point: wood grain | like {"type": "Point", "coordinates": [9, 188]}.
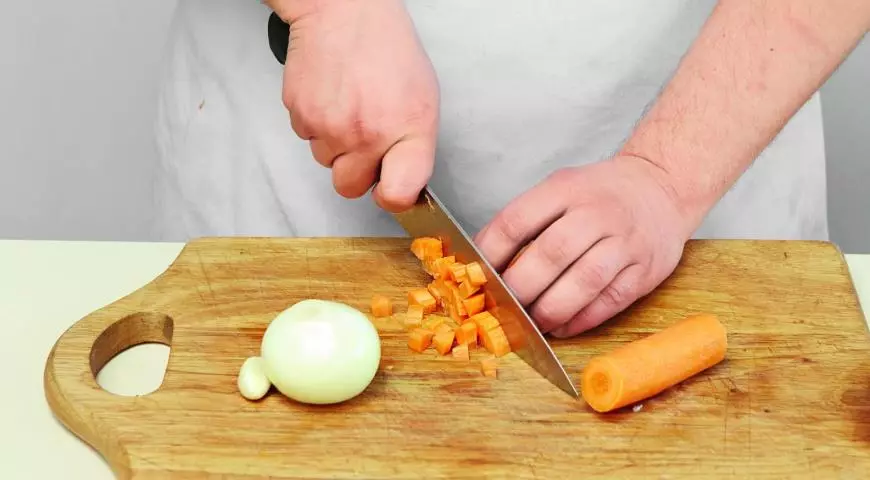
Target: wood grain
{"type": "Point", "coordinates": [792, 400]}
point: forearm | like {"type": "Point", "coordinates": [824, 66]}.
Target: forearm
{"type": "Point", "coordinates": [753, 65]}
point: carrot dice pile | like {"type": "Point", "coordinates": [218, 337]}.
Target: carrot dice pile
{"type": "Point", "coordinates": [450, 314]}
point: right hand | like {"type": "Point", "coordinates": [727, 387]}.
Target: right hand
{"type": "Point", "coordinates": [361, 89]}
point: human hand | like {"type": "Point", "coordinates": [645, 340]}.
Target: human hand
{"type": "Point", "coordinates": [361, 89]}
{"type": "Point", "coordinates": [601, 235]}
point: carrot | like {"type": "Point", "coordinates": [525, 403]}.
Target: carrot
{"type": "Point", "coordinates": [496, 342]}
{"type": "Point", "coordinates": [474, 305]}
{"type": "Point", "coordinates": [414, 317]}
{"type": "Point", "coordinates": [427, 248]}
{"type": "Point", "coordinates": [475, 274]}
{"type": "Point", "coordinates": [442, 328]}
{"type": "Point", "coordinates": [441, 266]}
{"type": "Point", "coordinates": [461, 352]}
{"type": "Point", "coordinates": [484, 321]}
{"type": "Point", "coordinates": [422, 297]}
{"type": "Point", "coordinates": [431, 322]}
{"type": "Point", "coordinates": [420, 339]}
{"type": "Point", "coordinates": [457, 272]}
{"type": "Point", "coordinates": [646, 367]}
{"type": "Point", "coordinates": [411, 323]}
{"type": "Point", "coordinates": [466, 334]}
{"type": "Point", "coordinates": [467, 289]}
{"type": "Point", "coordinates": [443, 341]}
{"type": "Point", "coordinates": [489, 367]}
{"type": "Point", "coordinates": [435, 292]}
{"type": "Point", "coordinates": [454, 313]}
{"type": "Point", "coordinates": [381, 306]}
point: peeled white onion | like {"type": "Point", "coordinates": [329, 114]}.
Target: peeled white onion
{"type": "Point", "coordinates": [321, 352]}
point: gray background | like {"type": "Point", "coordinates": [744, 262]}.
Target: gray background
{"type": "Point", "coordinates": [77, 93]}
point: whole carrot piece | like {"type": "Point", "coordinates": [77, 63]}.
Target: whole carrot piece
{"type": "Point", "coordinates": [646, 367]}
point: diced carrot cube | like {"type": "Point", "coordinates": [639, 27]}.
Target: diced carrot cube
{"type": "Point", "coordinates": [457, 272]}
{"type": "Point", "coordinates": [443, 342]}
{"type": "Point", "coordinates": [441, 266]}
{"type": "Point", "coordinates": [461, 352]}
{"type": "Point", "coordinates": [452, 291]}
{"type": "Point", "coordinates": [411, 323]}
{"type": "Point", "coordinates": [489, 367]}
{"type": "Point", "coordinates": [474, 305]}
{"type": "Point", "coordinates": [431, 322]}
{"type": "Point", "coordinates": [475, 274]}
{"type": "Point", "coordinates": [496, 342]}
{"type": "Point", "coordinates": [434, 291]}
{"type": "Point", "coordinates": [466, 334]}
{"type": "Point", "coordinates": [466, 289]}
{"type": "Point", "coordinates": [485, 321]}
{"type": "Point", "coordinates": [422, 297]}
{"type": "Point", "coordinates": [415, 311]}
{"type": "Point", "coordinates": [427, 248]}
{"type": "Point", "coordinates": [381, 306]}
{"type": "Point", "coordinates": [420, 339]}
{"type": "Point", "coordinates": [429, 266]}
{"type": "Point", "coordinates": [443, 327]}
{"type": "Point", "coordinates": [453, 312]}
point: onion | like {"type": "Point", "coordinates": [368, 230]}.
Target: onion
{"type": "Point", "coordinates": [320, 352]}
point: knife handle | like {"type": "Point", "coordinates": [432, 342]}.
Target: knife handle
{"type": "Point", "coordinates": [278, 32]}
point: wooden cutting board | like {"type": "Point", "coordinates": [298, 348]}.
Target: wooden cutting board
{"type": "Point", "coordinates": [792, 400]}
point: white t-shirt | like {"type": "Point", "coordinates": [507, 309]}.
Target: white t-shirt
{"type": "Point", "coordinates": [527, 87]}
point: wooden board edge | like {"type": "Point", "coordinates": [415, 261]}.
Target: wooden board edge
{"type": "Point", "coordinates": [64, 394]}
{"type": "Point", "coordinates": [853, 289]}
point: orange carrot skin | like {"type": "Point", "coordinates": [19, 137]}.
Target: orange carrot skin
{"type": "Point", "coordinates": [646, 367]}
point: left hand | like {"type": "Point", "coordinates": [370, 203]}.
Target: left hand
{"type": "Point", "coordinates": [601, 235]}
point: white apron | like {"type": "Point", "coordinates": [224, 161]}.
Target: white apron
{"type": "Point", "coordinates": [527, 87]}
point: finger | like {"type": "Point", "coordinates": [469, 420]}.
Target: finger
{"type": "Point", "coordinates": [581, 284]}
{"type": "Point", "coordinates": [405, 170]}
{"type": "Point", "coordinates": [300, 127]}
{"type": "Point", "coordinates": [353, 174]}
{"type": "Point", "coordinates": [520, 221]}
{"type": "Point", "coordinates": [554, 251]}
{"type": "Point", "coordinates": [625, 289]}
{"type": "Point", "coordinates": [323, 152]}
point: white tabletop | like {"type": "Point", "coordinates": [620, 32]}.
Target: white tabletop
{"type": "Point", "coordinates": [45, 287]}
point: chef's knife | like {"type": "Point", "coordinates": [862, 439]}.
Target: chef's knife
{"type": "Point", "coordinates": [429, 218]}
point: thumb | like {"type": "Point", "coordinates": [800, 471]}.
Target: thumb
{"type": "Point", "coordinates": [405, 170]}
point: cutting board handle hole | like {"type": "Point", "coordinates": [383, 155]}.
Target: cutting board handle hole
{"type": "Point", "coordinates": [138, 343]}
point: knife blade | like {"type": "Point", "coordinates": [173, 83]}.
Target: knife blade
{"type": "Point", "coordinates": [430, 218]}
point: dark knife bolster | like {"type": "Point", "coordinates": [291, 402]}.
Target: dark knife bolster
{"type": "Point", "coordinates": [279, 37]}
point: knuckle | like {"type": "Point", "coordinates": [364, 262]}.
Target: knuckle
{"type": "Point", "coordinates": [513, 224]}
{"type": "Point", "coordinates": [546, 315]}
{"type": "Point", "coordinates": [363, 132]}
{"type": "Point", "coordinates": [596, 275]}
{"type": "Point", "coordinates": [556, 250]}
{"type": "Point", "coordinates": [334, 125]}
{"type": "Point", "coordinates": [615, 296]}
